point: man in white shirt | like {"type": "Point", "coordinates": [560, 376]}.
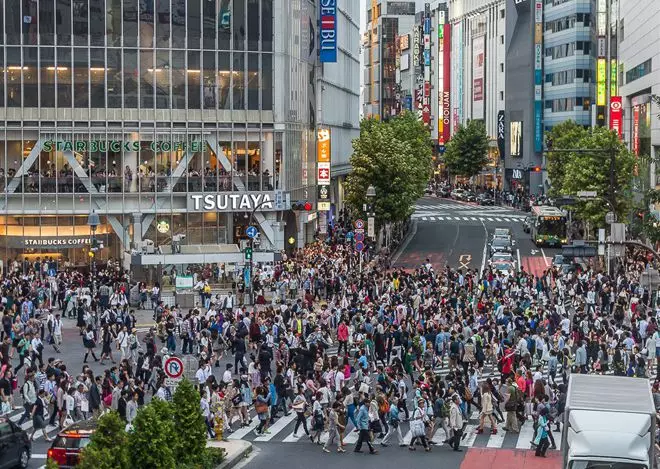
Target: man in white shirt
{"type": "Point", "coordinates": [57, 332]}
{"type": "Point", "coordinates": [226, 376]}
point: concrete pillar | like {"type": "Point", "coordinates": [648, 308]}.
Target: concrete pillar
{"type": "Point", "coordinates": [137, 230]}
{"type": "Point", "coordinates": [268, 158]}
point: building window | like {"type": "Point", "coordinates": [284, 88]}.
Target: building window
{"type": "Point", "coordinates": [502, 67]}
{"type": "Point", "coordinates": [639, 71]}
{"type": "Point", "coordinates": [502, 13]}
{"type": "Point", "coordinates": [502, 39]}
{"type": "Point", "coordinates": [501, 95]}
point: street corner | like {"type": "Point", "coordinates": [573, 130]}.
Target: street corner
{"type": "Point", "coordinates": [488, 458]}
{"type": "Point", "coordinates": [235, 451]}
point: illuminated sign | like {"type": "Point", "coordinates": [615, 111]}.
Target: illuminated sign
{"type": "Point", "coordinates": [538, 79]}
{"type": "Point", "coordinates": [117, 146]}
{"type": "Point", "coordinates": [601, 82]}
{"type": "Point", "coordinates": [323, 145]}
{"type": "Point", "coordinates": [516, 134]}
{"type": "Point", "coordinates": [635, 130]}
{"type": "Point", "coordinates": [404, 42]}
{"type": "Point", "coordinates": [616, 115]}
{"type": "Point", "coordinates": [328, 31]}
{"type": "Point", "coordinates": [613, 78]}
{"type": "Point", "coordinates": [231, 201]}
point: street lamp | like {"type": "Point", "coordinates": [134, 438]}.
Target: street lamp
{"type": "Point", "coordinates": [371, 192]}
{"type": "Point", "coordinates": [93, 220]}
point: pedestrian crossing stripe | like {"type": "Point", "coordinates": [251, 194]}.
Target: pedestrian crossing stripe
{"type": "Point", "coordinates": [511, 219]}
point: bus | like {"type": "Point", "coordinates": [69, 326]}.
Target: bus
{"type": "Point", "coordinates": [548, 226]}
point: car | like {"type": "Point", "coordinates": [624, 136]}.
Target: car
{"type": "Point", "coordinates": [469, 197]}
{"type": "Point", "coordinates": [485, 199]}
{"type": "Point", "coordinates": [15, 445]}
{"type": "Point", "coordinates": [501, 257]}
{"type": "Point", "coordinates": [500, 245]}
{"type": "Point", "coordinates": [527, 224]}
{"type": "Point", "coordinates": [559, 260]}
{"type": "Point", "coordinates": [70, 442]}
{"type": "Point", "coordinates": [458, 194]}
{"type": "Point", "coordinates": [501, 232]}
{"type": "Point", "coordinates": [506, 268]}
{"type": "Point", "coordinates": [444, 192]}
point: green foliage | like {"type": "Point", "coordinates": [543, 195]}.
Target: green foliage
{"type": "Point", "coordinates": [571, 172]}
{"type": "Point", "coordinates": [467, 151]}
{"type": "Point", "coordinates": [108, 448]}
{"type": "Point", "coordinates": [395, 157]}
{"type": "Point", "coordinates": [210, 459]}
{"type": "Point", "coordinates": [568, 134]}
{"type": "Point", "coordinates": [153, 443]}
{"type": "Point", "coordinates": [51, 464]}
{"type": "Point", "coordinates": [188, 414]}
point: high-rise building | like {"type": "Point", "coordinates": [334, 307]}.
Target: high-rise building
{"type": "Point", "coordinates": [386, 20]}
{"type": "Point", "coordinates": [178, 122]}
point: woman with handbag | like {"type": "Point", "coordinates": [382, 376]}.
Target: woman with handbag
{"type": "Point", "coordinates": [418, 421]}
{"type": "Point", "coordinates": [261, 405]}
{"type": "Point", "coordinates": [89, 341]}
{"type": "Point", "coordinates": [318, 419]}
{"type": "Point", "coordinates": [39, 415]}
{"type": "Point", "coordinates": [299, 406]}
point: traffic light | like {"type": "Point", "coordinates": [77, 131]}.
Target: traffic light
{"type": "Point", "coordinates": [302, 206]}
{"type": "Point", "coordinates": [248, 254]}
{"type": "Point", "coordinates": [536, 169]}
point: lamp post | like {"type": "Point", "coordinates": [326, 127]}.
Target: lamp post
{"type": "Point", "coordinates": [371, 222]}
{"type": "Point", "coordinates": [93, 220]}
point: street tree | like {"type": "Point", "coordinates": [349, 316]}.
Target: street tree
{"type": "Point", "coordinates": [592, 171]}
{"type": "Point", "coordinates": [154, 441]}
{"type": "Point", "coordinates": [108, 447]}
{"type": "Point", "coordinates": [466, 153]}
{"type": "Point", "coordinates": [187, 415]}
{"type": "Point", "coordinates": [394, 157]}
{"type": "Point", "coordinates": [566, 135]}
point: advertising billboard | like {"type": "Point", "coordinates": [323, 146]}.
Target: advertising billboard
{"type": "Point", "coordinates": [328, 31]}
{"type": "Point", "coordinates": [601, 82]}
{"type": "Point", "coordinates": [538, 79]}
{"type": "Point", "coordinates": [323, 161]}
{"type": "Point", "coordinates": [478, 76]}
{"type": "Point", "coordinates": [516, 134]}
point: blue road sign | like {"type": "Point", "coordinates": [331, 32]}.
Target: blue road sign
{"type": "Point", "coordinates": [359, 236]}
{"type": "Point", "coordinates": [359, 246]}
{"type": "Point", "coordinates": [251, 232]}
{"type": "Point", "coordinates": [246, 277]}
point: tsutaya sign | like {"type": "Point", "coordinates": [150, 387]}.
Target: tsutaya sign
{"type": "Point", "coordinates": [119, 145]}
{"type": "Point", "coordinates": [232, 202]}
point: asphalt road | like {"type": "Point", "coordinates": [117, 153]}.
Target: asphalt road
{"type": "Point", "coordinates": [456, 233]}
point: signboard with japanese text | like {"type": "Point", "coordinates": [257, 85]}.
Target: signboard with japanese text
{"type": "Point", "coordinates": [616, 115]}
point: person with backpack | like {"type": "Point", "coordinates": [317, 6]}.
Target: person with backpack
{"type": "Point", "coordinates": [393, 424]}
{"type": "Point", "coordinates": [511, 407]}
{"type": "Point", "coordinates": [29, 395]}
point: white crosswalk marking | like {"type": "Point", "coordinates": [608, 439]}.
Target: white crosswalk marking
{"type": "Point", "coordinates": [470, 436]}
{"type": "Point", "coordinates": [490, 219]}
{"type": "Point", "coordinates": [432, 218]}
{"type": "Point", "coordinates": [473, 219]}
{"type": "Point", "coordinates": [424, 218]}
{"type": "Point", "coordinates": [441, 218]}
{"type": "Point", "coordinates": [497, 440]}
{"type": "Point", "coordinates": [277, 427]}
{"type": "Point", "coordinates": [351, 438]}
{"type": "Point", "coordinates": [498, 219]}
{"type": "Point", "coordinates": [465, 218]}
{"type": "Point", "coordinates": [526, 436]}
{"type": "Point", "coordinates": [242, 432]}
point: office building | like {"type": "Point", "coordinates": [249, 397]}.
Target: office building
{"type": "Point", "coordinates": [178, 122]}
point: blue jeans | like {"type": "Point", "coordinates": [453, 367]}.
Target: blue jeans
{"type": "Point", "coordinates": [171, 343]}
{"type": "Point", "coordinates": [350, 411]}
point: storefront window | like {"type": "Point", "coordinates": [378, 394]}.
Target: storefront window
{"type": "Point", "coordinates": [80, 78]}
{"type": "Point", "coordinates": [209, 89]}
{"type": "Point", "coordinates": [266, 82]}
{"type": "Point", "coordinates": [253, 82]}
{"type": "Point", "coordinates": [63, 22]}
{"type": "Point", "coordinates": [238, 24]}
{"type": "Point", "coordinates": [14, 77]}
{"type": "Point", "coordinates": [113, 22]}
{"type": "Point", "coordinates": [253, 24]}
{"type": "Point", "coordinates": [114, 78]}
{"type": "Point", "coordinates": [130, 78]}
{"type": "Point", "coordinates": [97, 73]}
{"type": "Point", "coordinates": [30, 77]}
{"type": "Point", "coordinates": [178, 10]}
{"type": "Point", "coordinates": [162, 78]}
{"type": "Point", "coordinates": [47, 22]}
{"type": "Point", "coordinates": [194, 68]}
{"type": "Point", "coordinates": [146, 23]}
{"type": "Point", "coordinates": [162, 24]}
{"type": "Point", "coordinates": [238, 77]}
{"type": "Point", "coordinates": [64, 77]}
{"type": "Point", "coordinates": [224, 24]}
{"type": "Point", "coordinates": [80, 23]}
{"type": "Point", "coordinates": [30, 23]}
{"type": "Point", "coordinates": [13, 21]}
{"type": "Point", "coordinates": [224, 80]}
{"type": "Point", "coordinates": [146, 172]}
{"type": "Point", "coordinates": [130, 15]}
{"type": "Point", "coordinates": [47, 72]}
{"type": "Point", "coordinates": [97, 22]}
{"type": "Point", "coordinates": [208, 21]}
{"type": "Point", "coordinates": [179, 79]}
{"type": "Point", "coordinates": [267, 25]}
{"type": "Point", "coordinates": [147, 73]}
{"type": "Point", "coordinates": [193, 26]}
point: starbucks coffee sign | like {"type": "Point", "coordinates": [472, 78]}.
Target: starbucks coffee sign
{"type": "Point", "coordinates": [232, 202]}
{"type": "Point", "coordinates": [118, 146]}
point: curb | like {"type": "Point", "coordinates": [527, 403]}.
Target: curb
{"type": "Point", "coordinates": [236, 456]}
{"type": "Point", "coordinates": [404, 244]}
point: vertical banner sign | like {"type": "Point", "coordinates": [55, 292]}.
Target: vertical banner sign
{"type": "Point", "coordinates": [538, 77]}
{"type": "Point", "coordinates": [616, 115]}
{"type": "Point", "coordinates": [501, 133]}
{"type": "Point", "coordinates": [601, 82]}
{"type": "Point", "coordinates": [635, 130]}
{"type": "Point", "coordinates": [614, 88]}
{"type": "Point", "coordinates": [440, 57]}
{"type": "Point", "coordinates": [328, 31]}
{"type": "Point", "coordinates": [478, 64]}
{"type": "Point", "coordinates": [323, 161]}
{"type": "Point", "coordinates": [446, 91]}
{"type": "Point", "coordinates": [459, 69]}
{"type": "Point", "coordinates": [426, 64]}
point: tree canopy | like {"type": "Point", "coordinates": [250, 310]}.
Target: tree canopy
{"type": "Point", "coordinates": [395, 157]}
{"type": "Point", "coordinates": [108, 448]}
{"type": "Point", "coordinates": [467, 151]}
{"type": "Point", "coordinates": [583, 170]}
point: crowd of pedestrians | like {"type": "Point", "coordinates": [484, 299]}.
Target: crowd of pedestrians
{"type": "Point", "coordinates": [341, 347]}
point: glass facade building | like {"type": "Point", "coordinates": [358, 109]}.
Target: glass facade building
{"type": "Point", "coordinates": [134, 108]}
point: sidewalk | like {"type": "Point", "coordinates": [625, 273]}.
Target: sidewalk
{"type": "Point", "coordinates": [235, 451]}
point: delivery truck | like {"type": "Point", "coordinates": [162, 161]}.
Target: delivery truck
{"type": "Point", "coordinates": [609, 423]}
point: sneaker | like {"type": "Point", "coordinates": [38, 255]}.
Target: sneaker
{"type": "Point", "coordinates": [341, 450]}
{"type": "Point", "coordinates": [326, 450]}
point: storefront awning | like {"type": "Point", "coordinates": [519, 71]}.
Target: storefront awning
{"type": "Point", "coordinates": [205, 258]}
